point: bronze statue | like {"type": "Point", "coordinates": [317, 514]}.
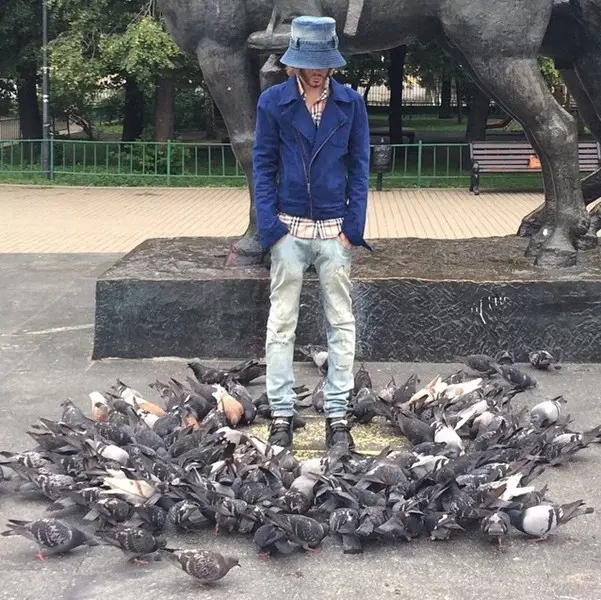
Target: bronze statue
{"type": "Point", "coordinates": [497, 41]}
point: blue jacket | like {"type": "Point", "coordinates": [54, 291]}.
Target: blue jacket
{"type": "Point", "coordinates": [304, 171]}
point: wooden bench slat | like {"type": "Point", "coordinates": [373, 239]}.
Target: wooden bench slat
{"type": "Point", "coordinates": [514, 157]}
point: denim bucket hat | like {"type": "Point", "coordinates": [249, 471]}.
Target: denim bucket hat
{"type": "Point", "coordinates": [313, 44]}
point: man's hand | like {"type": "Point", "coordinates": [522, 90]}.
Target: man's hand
{"type": "Point", "coordinates": [344, 241]}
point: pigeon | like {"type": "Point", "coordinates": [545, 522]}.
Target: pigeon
{"type": "Point", "coordinates": [519, 379]}
{"type": "Point", "coordinates": [73, 415]}
{"type": "Point", "coordinates": [229, 406]}
{"type": "Point", "coordinates": [344, 522]}
{"type": "Point", "coordinates": [403, 393]}
{"type": "Point", "coordinates": [137, 544]}
{"type": "Point", "coordinates": [364, 406]}
{"type": "Point", "coordinates": [542, 360]}
{"type": "Point", "coordinates": [109, 510]}
{"type": "Point", "coordinates": [318, 354]}
{"type": "Point", "coordinates": [414, 429]}
{"type": "Point", "coordinates": [206, 374]}
{"type": "Point", "coordinates": [497, 526]}
{"type": "Point", "coordinates": [481, 363]}
{"type": "Point", "coordinates": [440, 526]}
{"type": "Point", "coordinates": [318, 398]}
{"type": "Point", "coordinates": [52, 535]}
{"type": "Point", "coordinates": [204, 565]}
{"type": "Point", "coordinates": [548, 412]}
{"type": "Point", "coordinates": [271, 540]}
{"type": "Point", "coordinates": [299, 497]}
{"type": "Point", "coordinates": [504, 357]}
{"type": "Point", "coordinates": [539, 521]}
{"type": "Point", "coordinates": [443, 434]}
{"type": "Point", "coordinates": [362, 379]}
{"type": "Point", "coordinates": [186, 515]}
{"type": "Point", "coordinates": [301, 530]}
{"type": "Point", "coordinates": [247, 371]}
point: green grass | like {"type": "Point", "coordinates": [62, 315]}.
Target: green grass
{"type": "Point", "coordinates": [518, 181]}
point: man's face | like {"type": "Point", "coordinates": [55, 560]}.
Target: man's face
{"type": "Point", "coordinates": [314, 78]}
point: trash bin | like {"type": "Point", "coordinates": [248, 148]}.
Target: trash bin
{"type": "Point", "coordinates": [381, 161]}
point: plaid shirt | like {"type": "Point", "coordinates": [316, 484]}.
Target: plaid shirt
{"type": "Point", "coordinates": [302, 227]}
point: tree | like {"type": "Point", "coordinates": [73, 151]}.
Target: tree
{"type": "Point", "coordinates": [396, 76]}
{"type": "Point", "coordinates": [20, 44]}
{"type": "Point", "coordinates": [146, 54]}
{"type": "Point", "coordinates": [365, 70]}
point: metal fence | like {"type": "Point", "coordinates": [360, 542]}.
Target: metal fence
{"type": "Point", "coordinates": [175, 163]}
{"type": "Point", "coordinates": [413, 95]}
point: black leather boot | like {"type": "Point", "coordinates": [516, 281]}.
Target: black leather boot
{"type": "Point", "coordinates": [338, 432]}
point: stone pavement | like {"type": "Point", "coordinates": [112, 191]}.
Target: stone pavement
{"type": "Point", "coordinates": [46, 320]}
{"type": "Point", "coordinates": [71, 219]}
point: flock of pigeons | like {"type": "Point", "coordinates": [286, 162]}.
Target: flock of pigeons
{"type": "Point", "coordinates": [138, 471]}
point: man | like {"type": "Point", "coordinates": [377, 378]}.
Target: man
{"type": "Point", "coordinates": [311, 175]}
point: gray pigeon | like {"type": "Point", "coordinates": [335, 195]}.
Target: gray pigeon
{"type": "Point", "coordinates": [204, 565]}
{"type": "Point", "coordinates": [481, 363]}
{"type": "Point", "coordinates": [51, 535]}
{"type": "Point", "coordinates": [497, 526]}
{"type": "Point", "coordinates": [539, 521]}
{"type": "Point", "coordinates": [542, 360]}
{"type": "Point", "coordinates": [345, 522]}
{"type": "Point", "coordinates": [520, 380]}
{"type": "Point", "coordinates": [548, 412]}
{"type": "Point", "coordinates": [135, 543]}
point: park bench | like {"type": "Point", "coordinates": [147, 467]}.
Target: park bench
{"type": "Point", "coordinates": [520, 157]}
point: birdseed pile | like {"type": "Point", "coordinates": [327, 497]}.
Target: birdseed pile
{"type": "Point", "coordinates": [139, 472]}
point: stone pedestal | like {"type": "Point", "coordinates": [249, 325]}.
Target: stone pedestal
{"type": "Point", "coordinates": [415, 300]}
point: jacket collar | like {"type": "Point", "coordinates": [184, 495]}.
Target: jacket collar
{"type": "Point", "coordinates": [297, 114]}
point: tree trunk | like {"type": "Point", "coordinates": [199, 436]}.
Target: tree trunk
{"type": "Point", "coordinates": [396, 72]}
{"type": "Point", "coordinates": [30, 119]}
{"type": "Point", "coordinates": [133, 111]}
{"type": "Point", "coordinates": [209, 114]}
{"type": "Point", "coordinates": [164, 114]}
{"type": "Point", "coordinates": [445, 111]}
{"type": "Point", "coordinates": [366, 93]}
{"type": "Point", "coordinates": [459, 94]}
{"type": "Point", "coordinates": [478, 116]}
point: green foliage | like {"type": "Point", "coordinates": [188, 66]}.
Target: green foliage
{"type": "Point", "coordinates": [550, 73]}
{"type": "Point", "coordinates": [144, 50]}
{"type": "Point", "coordinates": [20, 35]}
{"type": "Point", "coordinates": [365, 70]}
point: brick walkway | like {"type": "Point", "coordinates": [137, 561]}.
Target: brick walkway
{"type": "Point", "coordinates": [71, 219]}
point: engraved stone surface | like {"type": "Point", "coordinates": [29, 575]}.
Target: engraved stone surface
{"type": "Point", "coordinates": [426, 300]}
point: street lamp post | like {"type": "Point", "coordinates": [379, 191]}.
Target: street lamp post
{"type": "Point", "coordinates": [45, 95]}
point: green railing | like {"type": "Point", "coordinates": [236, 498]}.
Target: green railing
{"type": "Point", "coordinates": [183, 163]}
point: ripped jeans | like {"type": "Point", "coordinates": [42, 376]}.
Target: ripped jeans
{"type": "Point", "coordinates": [290, 258]}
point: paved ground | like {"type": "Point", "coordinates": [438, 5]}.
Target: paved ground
{"type": "Point", "coordinates": [70, 219]}
{"type": "Point", "coordinates": [46, 316]}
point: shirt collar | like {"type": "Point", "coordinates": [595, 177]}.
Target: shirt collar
{"type": "Point", "coordinates": [324, 94]}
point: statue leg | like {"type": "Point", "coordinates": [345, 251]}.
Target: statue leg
{"type": "Point", "coordinates": [521, 89]}
{"type": "Point", "coordinates": [584, 83]}
{"type": "Point", "coordinates": [234, 85]}
{"type": "Point", "coordinates": [578, 85]}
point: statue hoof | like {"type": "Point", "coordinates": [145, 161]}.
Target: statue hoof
{"type": "Point", "coordinates": [556, 258]}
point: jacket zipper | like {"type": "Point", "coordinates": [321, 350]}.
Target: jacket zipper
{"type": "Point", "coordinates": [308, 171]}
